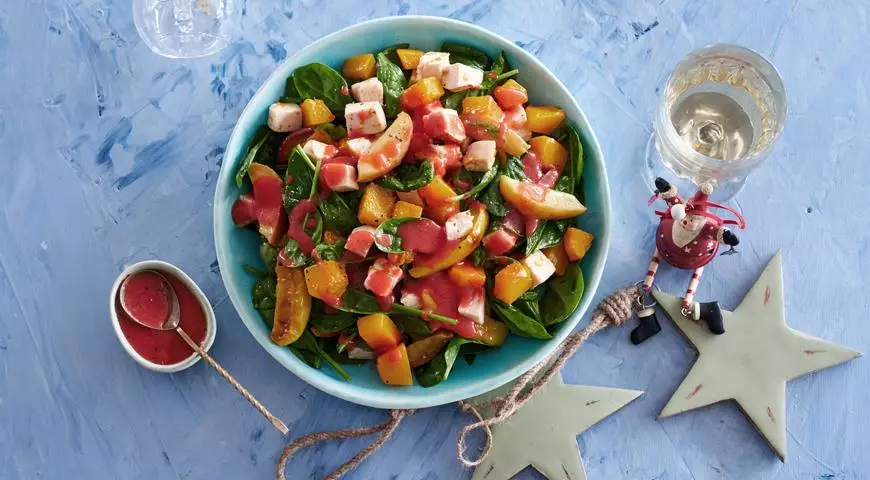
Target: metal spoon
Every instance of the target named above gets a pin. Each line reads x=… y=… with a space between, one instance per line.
x=172 y=322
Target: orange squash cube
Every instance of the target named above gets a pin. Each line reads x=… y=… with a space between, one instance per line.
x=407 y=209
x=394 y=368
x=577 y=243
x=466 y=274
x=315 y=112
x=379 y=332
x=376 y=205
x=409 y=58
x=483 y=108
x=557 y=255
x=549 y=152
x=359 y=67
x=426 y=90
x=544 y=119
x=514 y=85
x=436 y=195
x=326 y=281
x=512 y=143
x=511 y=282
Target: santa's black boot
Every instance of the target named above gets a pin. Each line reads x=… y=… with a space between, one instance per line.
x=649 y=326
x=711 y=314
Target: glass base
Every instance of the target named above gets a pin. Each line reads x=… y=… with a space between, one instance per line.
x=654 y=167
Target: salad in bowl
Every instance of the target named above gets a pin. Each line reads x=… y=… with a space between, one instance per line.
x=414 y=210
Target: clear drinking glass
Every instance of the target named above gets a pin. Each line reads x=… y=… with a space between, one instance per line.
x=184 y=28
x=720 y=115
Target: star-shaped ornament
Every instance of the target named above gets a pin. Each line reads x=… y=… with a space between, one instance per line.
x=752 y=361
x=543 y=433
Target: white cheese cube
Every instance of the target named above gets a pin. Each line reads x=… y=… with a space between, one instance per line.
x=365 y=118
x=458 y=225
x=318 y=151
x=480 y=156
x=540 y=266
x=409 y=299
x=432 y=64
x=358 y=146
x=339 y=177
x=459 y=77
x=285 y=117
x=471 y=306
x=371 y=90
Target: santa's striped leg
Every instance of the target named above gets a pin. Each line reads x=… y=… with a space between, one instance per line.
x=693 y=286
x=651 y=271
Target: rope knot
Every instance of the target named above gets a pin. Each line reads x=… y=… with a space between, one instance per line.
x=616 y=308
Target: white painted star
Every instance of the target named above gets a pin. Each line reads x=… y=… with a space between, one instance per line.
x=687 y=250
x=543 y=433
x=752 y=361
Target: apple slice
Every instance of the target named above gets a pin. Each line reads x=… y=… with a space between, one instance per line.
x=538 y=201
x=387 y=151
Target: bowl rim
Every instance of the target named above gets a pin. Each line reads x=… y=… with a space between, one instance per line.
x=211 y=323
x=395 y=398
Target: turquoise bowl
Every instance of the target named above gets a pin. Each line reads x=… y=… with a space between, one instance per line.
x=236 y=247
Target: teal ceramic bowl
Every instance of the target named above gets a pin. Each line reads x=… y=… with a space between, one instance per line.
x=236 y=247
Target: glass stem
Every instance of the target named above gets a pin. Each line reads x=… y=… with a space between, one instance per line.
x=182 y=10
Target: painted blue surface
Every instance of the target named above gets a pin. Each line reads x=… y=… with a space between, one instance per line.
x=110 y=155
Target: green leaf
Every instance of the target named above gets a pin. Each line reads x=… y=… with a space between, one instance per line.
x=269 y=256
x=546 y=235
x=291 y=95
x=408 y=177
x=518 y=322
x=294 y=255
x=337 y=214
x=453 y=100
x=563 y=295
x=309 y=357
x=491 y=197
x=355 y=301
x=490 y=78
x=298 y=179
x=487 y=178
x=564 y=184
x=308 y=342
x=391 y=227
x=528 y=304
x=437 y=370
x=393 y=80
x=467 y=55
x=330 y=252
x=249 y=159
x=331 y=323
x=478 y=256
x=263 y=297
x=491 y=130
x=411 y=325
x=513 y=168
x=335 y=132
x=319 y=81
x=575 y=158
x=390 y=51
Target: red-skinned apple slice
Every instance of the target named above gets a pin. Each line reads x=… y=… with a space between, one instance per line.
x=268 y=189
x=387 y=151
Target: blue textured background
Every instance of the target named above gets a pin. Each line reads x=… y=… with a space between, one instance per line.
x=109 y=156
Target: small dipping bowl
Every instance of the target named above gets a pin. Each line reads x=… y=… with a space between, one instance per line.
x=171 y=271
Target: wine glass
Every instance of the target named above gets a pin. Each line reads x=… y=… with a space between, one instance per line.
x=720 y=115
x=184 y=28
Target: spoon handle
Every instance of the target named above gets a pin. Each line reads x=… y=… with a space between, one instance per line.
x=278 y=424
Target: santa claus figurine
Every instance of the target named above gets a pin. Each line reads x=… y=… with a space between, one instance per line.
x=688 y=237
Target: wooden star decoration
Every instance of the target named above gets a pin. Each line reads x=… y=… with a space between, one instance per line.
x=543 y=433
x=752 y=361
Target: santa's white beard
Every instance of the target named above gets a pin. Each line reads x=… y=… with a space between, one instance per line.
x=682 y=235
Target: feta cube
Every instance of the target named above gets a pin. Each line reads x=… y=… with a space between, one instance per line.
x=480 y=156
x=459 y=77
x=409 y=299
x=371 y=90
x=285 y=117
x=357 y=353
x=540 y=266
x=339 y=177
x=366 y=118
x=358 y=146
x=319 y=151
x=360 y=240
x=445 y=125
x=471 y=305
x=432 y=64
x=458 y=225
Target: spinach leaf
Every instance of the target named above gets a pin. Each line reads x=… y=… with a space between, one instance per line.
x=546 y=235
x=308 y=342
x=564 y=184
x=439 y=368
x=563 y=295
x=575 y=158
x=391 y=227
x=464 y=54
x=355 y=301
x=249 y=159
x=319 y=81
x=399 y=308
x=263 y=297
x=513 y=167
x=518 y=322
x=528 y=304
x=393 y=80
x=411 y=325
x=337 y=214
x=269 y=256
x=331 y=323
x=453 y=100
x=291 y=95
x=298 y=179
x=293 y=255
x=352 y=199
x=487 y=178
x=309 y=357
x=330 y=252
x=490 y=77
x=335 y=132
x=408 y=177
x=343 y=358
x=478 y=256
x=491 y=197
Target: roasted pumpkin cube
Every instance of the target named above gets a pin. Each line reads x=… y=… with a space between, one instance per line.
x=577 y=243
x=511 y=282
x=409 y=58
x=394 y=368
x=466 y=274
x=407 y=209
x=424 y=91
x=326 y=281
x=379 y=332
x=549 y=152
x=437 y=195
x=544 y=119
x=558 y=257
x=483 y=108
x=359 y=67
x=376 y=205
x=315 y=112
